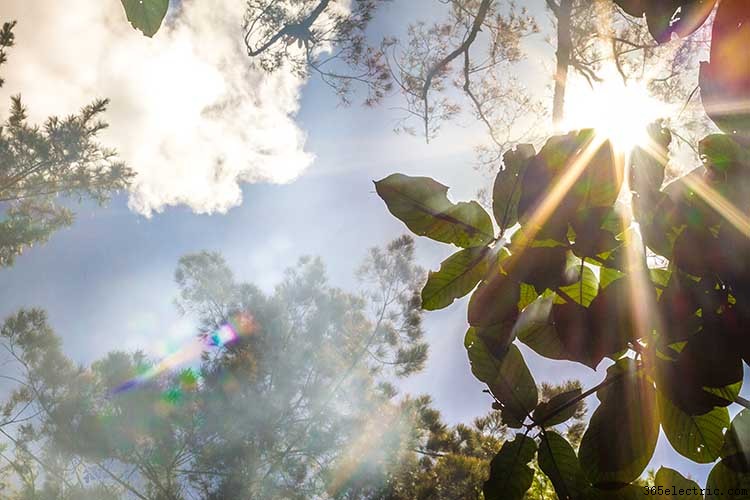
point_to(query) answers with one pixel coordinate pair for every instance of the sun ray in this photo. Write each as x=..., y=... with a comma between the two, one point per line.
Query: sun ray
x=553, y=197
x=724, y=207
x=711, y=196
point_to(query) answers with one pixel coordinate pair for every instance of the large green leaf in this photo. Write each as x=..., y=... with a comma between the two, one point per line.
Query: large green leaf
x=507, y=189
x=623, y=430
x=506, y=375
x=680, y=487
x=697, y=437
x=558, y=461
x=510, y=476
x=722, y=479
x=423, y=205
x=458, y=275
x=546, y=413
x=146, y=15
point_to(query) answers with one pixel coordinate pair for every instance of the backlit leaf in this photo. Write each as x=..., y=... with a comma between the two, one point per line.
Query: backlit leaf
x=585, y=289
x=671, y=480
x=146, y=15
x=558, y=461
x=722, y=479
x=697, y=437
x=458, y=275
x=423, y=205
x=505, y=374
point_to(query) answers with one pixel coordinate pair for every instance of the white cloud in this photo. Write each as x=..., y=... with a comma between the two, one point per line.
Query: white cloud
x=188, y=113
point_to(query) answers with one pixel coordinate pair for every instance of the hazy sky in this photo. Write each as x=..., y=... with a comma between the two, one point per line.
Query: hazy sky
x=284, y=170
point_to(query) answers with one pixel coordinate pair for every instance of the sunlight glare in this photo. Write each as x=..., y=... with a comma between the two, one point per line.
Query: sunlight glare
x=618, y=111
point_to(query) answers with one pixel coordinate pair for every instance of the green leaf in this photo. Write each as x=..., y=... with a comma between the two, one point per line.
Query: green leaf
x=495, y=301
x=510, y=476
x=507, y=189
x=622, y=433
x=585, y=289
x=527, y=295
x=736, y=450
x=558, y=461
x=535, y=329
x=506, y=375
x=722, y=479
x=543, y=412
x=608, y=275
x=423, y=205
x=458, y=275
x=146, y=15
x=673, y=481
x=697, y=437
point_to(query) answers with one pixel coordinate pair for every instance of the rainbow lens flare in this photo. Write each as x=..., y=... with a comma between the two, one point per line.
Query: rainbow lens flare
x=239, y=325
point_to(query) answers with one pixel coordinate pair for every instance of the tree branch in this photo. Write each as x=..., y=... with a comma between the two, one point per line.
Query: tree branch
x=475, y=28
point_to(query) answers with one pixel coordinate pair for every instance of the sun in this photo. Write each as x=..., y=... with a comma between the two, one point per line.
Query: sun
x=619, y=111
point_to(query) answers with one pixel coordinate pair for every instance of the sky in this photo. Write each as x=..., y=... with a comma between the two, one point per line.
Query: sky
x=263, y=169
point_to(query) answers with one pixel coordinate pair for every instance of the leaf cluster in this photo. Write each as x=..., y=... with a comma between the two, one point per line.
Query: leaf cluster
x=566, y=274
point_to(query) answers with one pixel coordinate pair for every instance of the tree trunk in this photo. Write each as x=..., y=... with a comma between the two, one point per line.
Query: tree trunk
x=564, y=47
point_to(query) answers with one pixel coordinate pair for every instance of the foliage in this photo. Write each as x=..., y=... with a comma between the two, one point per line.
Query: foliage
x=290, y=409
x=39, y=164
x=572, y=281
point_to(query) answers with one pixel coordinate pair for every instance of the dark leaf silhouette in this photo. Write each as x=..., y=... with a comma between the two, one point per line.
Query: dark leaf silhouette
x=510, y=476
x=547, y=413
x=670, y=17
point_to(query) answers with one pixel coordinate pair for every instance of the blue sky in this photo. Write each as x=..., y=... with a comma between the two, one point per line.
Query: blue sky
x=106, y=282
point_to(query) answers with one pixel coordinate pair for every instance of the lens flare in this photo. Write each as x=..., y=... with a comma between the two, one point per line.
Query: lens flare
x=239, y=325
x=619, y=111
